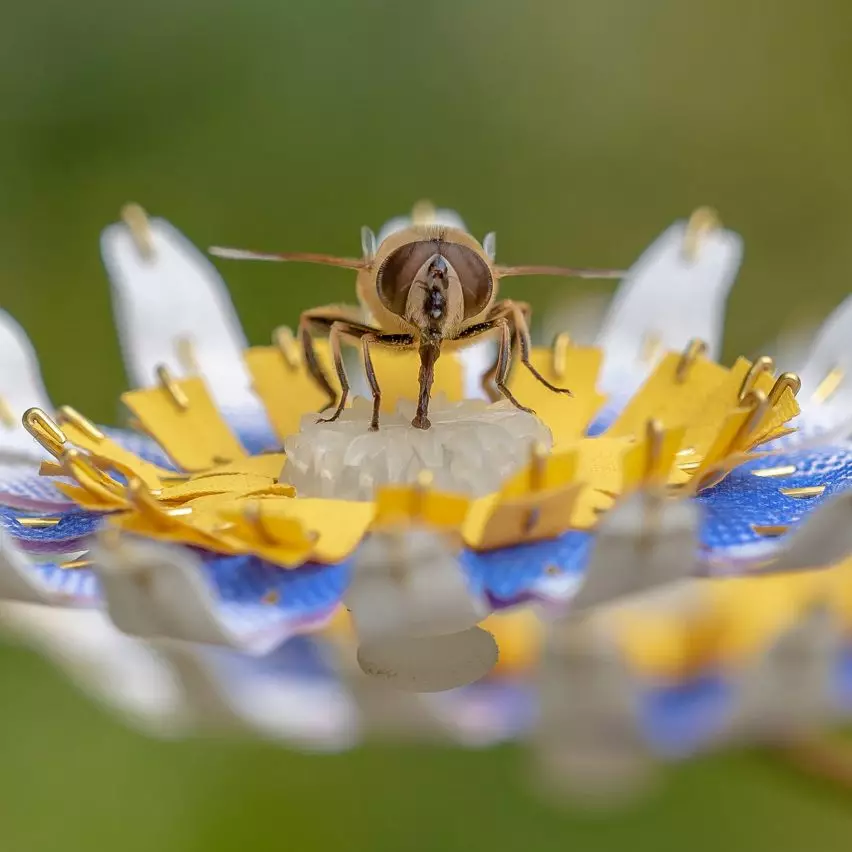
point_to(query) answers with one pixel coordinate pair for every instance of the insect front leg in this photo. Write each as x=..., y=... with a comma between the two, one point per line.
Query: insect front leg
x=429, y=353
x=399, y=341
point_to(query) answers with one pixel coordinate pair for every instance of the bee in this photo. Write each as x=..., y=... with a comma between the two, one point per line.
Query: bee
x=427, y=287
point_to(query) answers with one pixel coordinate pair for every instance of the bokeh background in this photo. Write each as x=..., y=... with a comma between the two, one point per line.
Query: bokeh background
x=578, y=130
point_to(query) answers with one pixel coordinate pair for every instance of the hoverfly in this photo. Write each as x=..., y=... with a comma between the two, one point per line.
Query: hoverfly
x=429, y=287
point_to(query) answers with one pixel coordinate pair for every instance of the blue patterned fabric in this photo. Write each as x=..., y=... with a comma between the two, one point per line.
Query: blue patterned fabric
x=255, y=595
x=73, y=525
x=510, y=574
x=677, y=719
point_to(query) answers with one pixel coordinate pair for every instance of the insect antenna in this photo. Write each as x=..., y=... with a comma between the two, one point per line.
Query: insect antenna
x=294, y=257
x=566, y=271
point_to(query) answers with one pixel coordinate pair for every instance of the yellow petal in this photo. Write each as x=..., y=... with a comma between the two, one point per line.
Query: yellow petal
x=285, y=386
x=190, y=429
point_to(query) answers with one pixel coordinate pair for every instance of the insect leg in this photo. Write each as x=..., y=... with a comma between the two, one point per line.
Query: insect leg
x=520, y=321
x=504, y=354
x=401, y=341
x=317, y=321
x=487, y=379
x=334, y=341
x=429, y=353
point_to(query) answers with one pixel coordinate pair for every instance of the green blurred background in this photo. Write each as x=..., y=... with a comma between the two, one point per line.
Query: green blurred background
x=577, y=131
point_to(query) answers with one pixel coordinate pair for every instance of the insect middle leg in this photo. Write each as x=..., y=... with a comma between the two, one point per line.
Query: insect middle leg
x=341, y=330
x=487, y=380
x=319, y=321
x=518, y=314
x=504, y=354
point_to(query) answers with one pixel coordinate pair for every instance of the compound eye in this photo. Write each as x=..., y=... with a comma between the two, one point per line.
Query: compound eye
x=474, y=276
x=398, y=271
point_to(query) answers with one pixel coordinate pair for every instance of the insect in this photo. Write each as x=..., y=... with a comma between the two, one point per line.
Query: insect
x=427, y=287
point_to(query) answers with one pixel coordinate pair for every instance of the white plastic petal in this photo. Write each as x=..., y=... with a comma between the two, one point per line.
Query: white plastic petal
x=172, y=308
x=123, y=673
x=643, y=542
x=157, y=590
x=790, y=688
x=432, y=663
x=408, y=584
x=21, y=387
x=826, y=394
x=587, y=741
x=668, y=297
x=413, y=614
x=448, y=218
x=824, y=538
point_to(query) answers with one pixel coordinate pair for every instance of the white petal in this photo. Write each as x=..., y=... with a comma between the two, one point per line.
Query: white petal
x=173, y=308
x=21, y=387
x=791, y=686
x=668, y=298
x=123, y=673
x=448, y=218
x=587, y=741
x=408, y=584
x=643, y=542
x=826, y=394
x=433, y=663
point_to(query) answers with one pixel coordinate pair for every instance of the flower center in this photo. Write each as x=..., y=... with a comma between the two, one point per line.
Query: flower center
x=471, y=449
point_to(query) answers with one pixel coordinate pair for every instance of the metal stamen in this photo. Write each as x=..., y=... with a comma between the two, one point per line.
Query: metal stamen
x=137, y=223
x=283, y=338
x=804, y=491
x=559, y=352
x=66, y=414
x=829, y=385
x=762, y=365
x=782, y=383
x=172, y=388
x=694, y=350
x=45, y=431
x=782, y=470
x=703, y=221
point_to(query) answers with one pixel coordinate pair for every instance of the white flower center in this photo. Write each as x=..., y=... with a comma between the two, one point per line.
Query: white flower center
x=471, y=448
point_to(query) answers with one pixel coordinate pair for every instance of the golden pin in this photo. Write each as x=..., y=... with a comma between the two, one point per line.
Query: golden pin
x=702, y=222
x=419, y=493
x=186, y=356
x=803, y=492
x=286, y=343
x=654, y=445
x=45, y=430
x=829, y=385
x=66, y=414
x=7, y=416
x=771, y=472
x=695, y=349
x=423, y=213
x=762, y=365
x=38, y=523
x=137, y=223
x=172, y=388
x=786, y=381
x=559, y=354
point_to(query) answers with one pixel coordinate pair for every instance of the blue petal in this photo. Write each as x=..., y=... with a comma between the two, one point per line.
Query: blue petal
x=72, y=525
x=511, y=573
x=80, y=584
x=742, y=499
x=253, y=593
x=679, y=718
